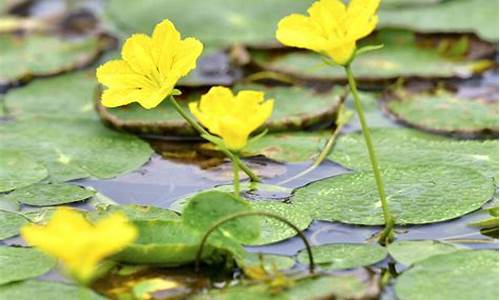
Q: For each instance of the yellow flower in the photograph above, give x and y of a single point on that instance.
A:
(78, 244)
(331, 28)
(149, 68)
(232, 117)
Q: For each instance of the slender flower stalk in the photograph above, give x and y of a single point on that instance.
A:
(387, 234)
(236, 176)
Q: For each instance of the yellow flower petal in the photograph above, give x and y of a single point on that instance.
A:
(330, 15)
(298, 31)
(341, 55)
(118, 74)
(186, 55)
(165, 40)
(137, 53)
(79, 245)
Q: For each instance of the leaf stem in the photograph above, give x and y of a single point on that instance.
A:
(388, 234)
(230, 217)
(236, 176)
(202, 131)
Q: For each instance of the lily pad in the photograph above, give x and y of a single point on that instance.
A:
(172, 243)
(289, 146)
(49, 194)
(75, 148)
(344, 256)
(444, 112)
(416, 195)
(319, 287)
(18, 263)
(400, 147)
(206, 208)
(294, 108)
(10, 222)
(476, 16)
(46, 290)
(461, 275)
(411, 252)
(66, 96)
(135, 212)
(240, 22)
(401, 56)
(18, 170)
(269, 262)
(272, 230)
(22, 59)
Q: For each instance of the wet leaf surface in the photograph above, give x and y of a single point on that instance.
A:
(444, 112)
(18, 170)
(416, 195)
(411, 252)
(49, 194)
(458, 275)
(22, 263)
(268, 262)
(344, 256)
(10, 222)
(45, 290)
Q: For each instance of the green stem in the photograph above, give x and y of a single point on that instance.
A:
(237, 215)
(236, 176)
(387, 234)
(202, 131)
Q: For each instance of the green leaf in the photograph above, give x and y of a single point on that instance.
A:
(445, 112)
(10, 222)
(240, 22)
(22, 263)
(270, 262)
(416, 195)
(18, 170)
(400, 147)
(294, 108)
(21, 57)
(173, 243)
(206, 208)
(460, 275)
(411, 252)
(476, 16)
(49, 194)
(400, 57)
(65, 96)
(75, 148)
(46, 290)
(344, 256)
(317, 287)
(135, 212)
(272, 230)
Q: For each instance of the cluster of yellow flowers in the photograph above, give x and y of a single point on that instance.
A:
(148, 72)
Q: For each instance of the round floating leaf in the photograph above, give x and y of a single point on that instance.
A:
(410, 252)
(10, 222)
(288, 146)
(272, 230)
(135, 212)
(66, 96)
(294, 108)
(344, 256)
(443, 112)
(22, 263)
(18, 170)
(404, 147)
(400, 57)
(46, 290)
(416, 195)
(206, 208)
(241, 23)
(172, 243)
(318, 287)
(75, 148)
(21, 57)
(461, 275)
(477, 16)
(50, 194)
(269, 262)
